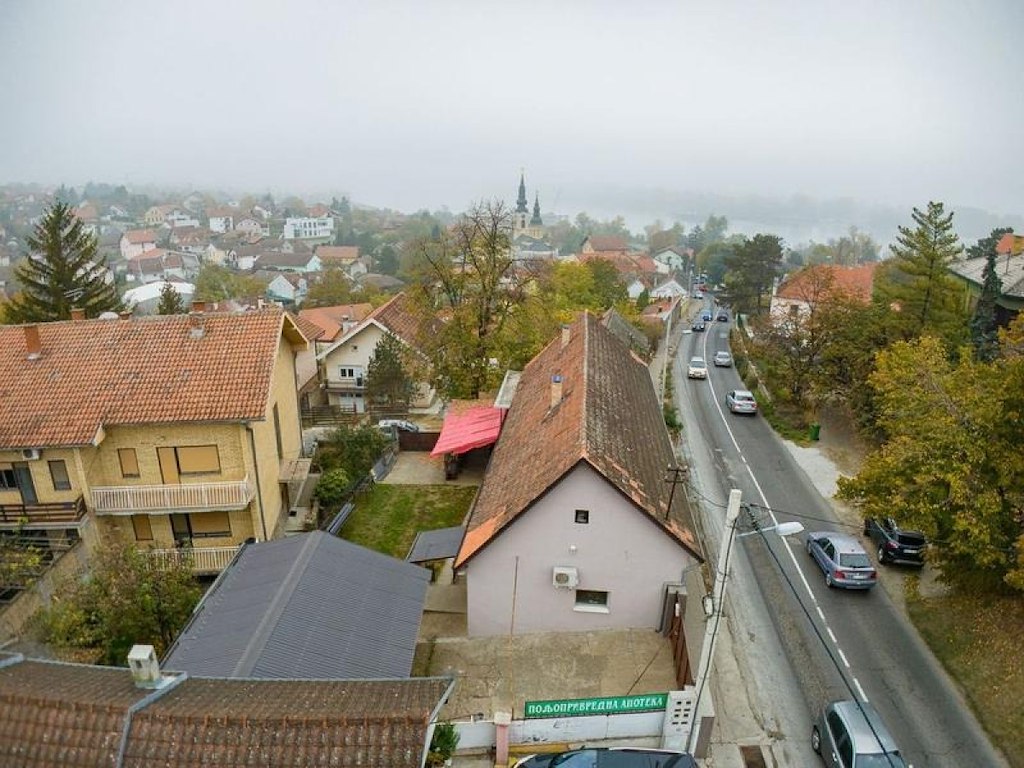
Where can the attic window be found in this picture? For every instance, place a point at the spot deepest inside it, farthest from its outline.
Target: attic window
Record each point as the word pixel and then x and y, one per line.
pixel 583 516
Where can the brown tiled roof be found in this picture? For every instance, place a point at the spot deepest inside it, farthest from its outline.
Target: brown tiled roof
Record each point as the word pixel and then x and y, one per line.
pixel 331 319
pixel 854 282
pixel 608 416
pixel 309 329
pixel 395 316
pixel 365 723
pixel 337 254
pixel 608 243
pixel 70 715
pixel 65 715
pixel 140 236
pixel 280 259
pixel 143 370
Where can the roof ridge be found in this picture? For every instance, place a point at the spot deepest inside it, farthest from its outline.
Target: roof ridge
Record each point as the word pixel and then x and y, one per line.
pixel 584 439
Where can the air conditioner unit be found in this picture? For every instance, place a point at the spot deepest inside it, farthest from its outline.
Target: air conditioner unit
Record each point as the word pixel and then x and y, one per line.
pixel 565 576
pixel 30 453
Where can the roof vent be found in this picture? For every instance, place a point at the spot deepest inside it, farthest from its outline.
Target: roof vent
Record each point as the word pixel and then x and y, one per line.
pixel 145 668
pixel 77 314
pixel 556 390
pixel 32 342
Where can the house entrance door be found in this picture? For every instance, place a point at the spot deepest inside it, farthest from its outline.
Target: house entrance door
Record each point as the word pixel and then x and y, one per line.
pixel 23 477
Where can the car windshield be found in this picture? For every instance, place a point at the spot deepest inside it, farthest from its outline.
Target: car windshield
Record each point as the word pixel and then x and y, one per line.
pixel 854 560
pixel 744 396
pixel 697 362
pixel 890 760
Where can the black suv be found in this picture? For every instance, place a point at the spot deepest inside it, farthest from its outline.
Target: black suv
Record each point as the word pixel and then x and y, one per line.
pixel 895 545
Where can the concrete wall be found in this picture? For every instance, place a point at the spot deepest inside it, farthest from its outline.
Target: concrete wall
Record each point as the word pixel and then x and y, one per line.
pixel 621 551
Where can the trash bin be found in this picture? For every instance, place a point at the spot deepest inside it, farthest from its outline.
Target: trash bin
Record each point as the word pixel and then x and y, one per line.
pixel 815 431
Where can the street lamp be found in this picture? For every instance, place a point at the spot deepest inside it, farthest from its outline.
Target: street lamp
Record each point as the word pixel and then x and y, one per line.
pixel 713 607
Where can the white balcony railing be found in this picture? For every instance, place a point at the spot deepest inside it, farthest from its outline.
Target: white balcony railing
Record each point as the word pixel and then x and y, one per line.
pixel 202 559
pixel 135 499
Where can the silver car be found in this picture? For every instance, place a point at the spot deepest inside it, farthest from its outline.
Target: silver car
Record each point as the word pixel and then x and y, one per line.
pixel 851 734
pixel 843 560
pixel 741 401
pixel 697 369
pixel 723 359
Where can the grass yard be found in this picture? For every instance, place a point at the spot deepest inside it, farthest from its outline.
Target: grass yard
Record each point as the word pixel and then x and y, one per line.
pixel 387 518
pixel 977 639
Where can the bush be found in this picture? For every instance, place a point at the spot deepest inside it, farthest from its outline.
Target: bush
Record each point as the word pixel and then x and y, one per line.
pixel 443 744
pixel 330 489
pixel 352 449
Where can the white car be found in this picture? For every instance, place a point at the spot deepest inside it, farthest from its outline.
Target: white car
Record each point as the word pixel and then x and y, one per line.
pixel 723 359
pixel 697 369
pixel 741 401
pixel 400 424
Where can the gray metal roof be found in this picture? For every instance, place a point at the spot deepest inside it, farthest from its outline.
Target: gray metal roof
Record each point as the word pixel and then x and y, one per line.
pixel 311 606
pixel 435 545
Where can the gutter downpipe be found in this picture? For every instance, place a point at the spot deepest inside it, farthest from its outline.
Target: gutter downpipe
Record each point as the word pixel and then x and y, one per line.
pixel 256 471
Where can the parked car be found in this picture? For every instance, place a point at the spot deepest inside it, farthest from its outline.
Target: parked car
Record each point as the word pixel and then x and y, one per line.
pixel 842 559
pixel 850 733
pixel 741 401
pixel 894 544
pixel 609 757
pixel 723 359
pixel 400 424
pixel 698 326
pixel 697 369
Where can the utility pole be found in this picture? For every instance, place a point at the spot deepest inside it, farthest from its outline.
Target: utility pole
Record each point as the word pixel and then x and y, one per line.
pixel 714 616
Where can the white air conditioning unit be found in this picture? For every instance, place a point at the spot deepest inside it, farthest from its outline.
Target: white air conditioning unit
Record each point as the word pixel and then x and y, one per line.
pixel 30 453
pixel 565 576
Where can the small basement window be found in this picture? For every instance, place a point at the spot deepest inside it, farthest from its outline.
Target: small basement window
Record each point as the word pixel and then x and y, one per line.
pixel 591 601
pixel 583 516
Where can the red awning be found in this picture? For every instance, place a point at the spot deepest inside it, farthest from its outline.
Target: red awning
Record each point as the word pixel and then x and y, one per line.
pixel 473 428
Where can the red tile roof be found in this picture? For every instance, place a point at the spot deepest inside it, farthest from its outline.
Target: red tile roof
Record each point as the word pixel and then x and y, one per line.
pixel 140 236
pixel 811 283
pixel 143 370
pixel 607 243
pixel 609 417
pixel 1010 244
pixel 335 255
pixel 396 316
pixel 331 319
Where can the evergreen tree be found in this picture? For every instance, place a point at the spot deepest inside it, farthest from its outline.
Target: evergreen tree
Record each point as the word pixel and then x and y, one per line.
pixel 170 301
pixel 752 267
pixel 61 271
pixel 387 381
pixel 984 329
pixel 987 245
pixel 917 282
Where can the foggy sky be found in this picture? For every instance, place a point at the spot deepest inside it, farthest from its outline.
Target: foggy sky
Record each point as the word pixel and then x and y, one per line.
pixel 429 103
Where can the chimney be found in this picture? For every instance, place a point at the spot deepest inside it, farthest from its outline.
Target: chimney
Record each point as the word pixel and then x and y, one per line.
pixel 198 306
pixel 125 315
pixel 77 315
pixel 32 342
pixel 565 335
pixel 196 325
pixel 556 391
pixel 145 668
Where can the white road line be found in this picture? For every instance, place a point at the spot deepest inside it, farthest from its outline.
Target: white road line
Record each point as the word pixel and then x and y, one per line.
pixel 771 515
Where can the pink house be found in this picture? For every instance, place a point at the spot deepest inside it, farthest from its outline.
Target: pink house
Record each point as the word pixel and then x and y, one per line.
pixel 135 242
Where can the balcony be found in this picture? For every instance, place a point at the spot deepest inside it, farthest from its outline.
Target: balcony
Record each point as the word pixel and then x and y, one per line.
pixel 63 514
pixel 355 384
pixel 204 560
pixel 148 499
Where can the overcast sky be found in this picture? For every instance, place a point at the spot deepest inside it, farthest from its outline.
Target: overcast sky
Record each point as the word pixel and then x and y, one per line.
pixel 430 103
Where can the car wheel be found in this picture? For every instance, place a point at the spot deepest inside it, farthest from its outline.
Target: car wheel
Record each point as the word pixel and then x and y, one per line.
pixel 828 580
pixel 816 740
pixel 882 557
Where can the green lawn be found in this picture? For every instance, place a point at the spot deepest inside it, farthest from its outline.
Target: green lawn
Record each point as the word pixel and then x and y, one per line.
pixel 977 639
pixel 387 518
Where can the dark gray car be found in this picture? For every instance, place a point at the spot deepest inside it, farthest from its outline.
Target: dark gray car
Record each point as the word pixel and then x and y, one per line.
pixel 851 734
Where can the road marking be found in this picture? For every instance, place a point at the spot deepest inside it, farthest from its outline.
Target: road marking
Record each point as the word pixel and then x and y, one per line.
pixel 775 521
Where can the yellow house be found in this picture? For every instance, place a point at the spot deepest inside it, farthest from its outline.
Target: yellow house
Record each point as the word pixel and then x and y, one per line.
pixel 180 433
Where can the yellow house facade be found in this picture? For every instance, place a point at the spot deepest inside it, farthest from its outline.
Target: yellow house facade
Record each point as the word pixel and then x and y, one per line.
pixel 178 433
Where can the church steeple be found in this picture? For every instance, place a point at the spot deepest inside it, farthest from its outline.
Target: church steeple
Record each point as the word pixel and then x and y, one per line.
pixel 536 221
pixel 522 206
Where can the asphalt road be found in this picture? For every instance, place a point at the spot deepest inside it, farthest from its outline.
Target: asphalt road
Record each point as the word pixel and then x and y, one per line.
pixel 828 643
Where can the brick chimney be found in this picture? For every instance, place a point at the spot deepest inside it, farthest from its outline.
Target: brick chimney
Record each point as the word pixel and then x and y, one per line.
pixel 32 342
pixel 198 306
pixel 196 325
pixel 77 315
pixel 556 391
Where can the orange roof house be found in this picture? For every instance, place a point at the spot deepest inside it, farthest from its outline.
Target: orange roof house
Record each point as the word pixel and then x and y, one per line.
pixel 801 291
pixel 577 481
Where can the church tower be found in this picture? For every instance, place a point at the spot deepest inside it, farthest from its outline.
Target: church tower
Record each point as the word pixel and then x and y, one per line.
pixel 536 228
pixel 519 221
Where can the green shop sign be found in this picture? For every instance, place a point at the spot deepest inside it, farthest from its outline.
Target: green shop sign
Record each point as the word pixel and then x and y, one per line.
pixel 608 705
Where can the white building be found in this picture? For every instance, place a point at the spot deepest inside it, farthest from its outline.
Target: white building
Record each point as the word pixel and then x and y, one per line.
pixel 307 228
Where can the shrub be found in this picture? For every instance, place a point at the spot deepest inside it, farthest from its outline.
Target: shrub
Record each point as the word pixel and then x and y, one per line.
pixel 330 489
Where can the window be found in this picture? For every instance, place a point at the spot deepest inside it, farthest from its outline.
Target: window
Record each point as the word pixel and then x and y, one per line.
pixel 59 475
pixel 277 431
pixel 591 601
pixel 143 528
pixel 208 525
pixel 198 460
pixel 129 462
pixel 582 516
pixel 7 480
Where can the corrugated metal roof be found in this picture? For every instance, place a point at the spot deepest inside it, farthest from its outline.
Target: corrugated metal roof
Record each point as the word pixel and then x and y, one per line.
pixel 435 545
pixel 310 606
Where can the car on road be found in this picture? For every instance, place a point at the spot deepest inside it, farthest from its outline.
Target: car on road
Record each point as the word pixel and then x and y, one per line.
pixel 698 326
pixel 400 424
pixel 698 295
pixel 609 757
pixel 894 544
pixel 851 734
pixel 842 559
pixel 706 317
pixel 723 359
pixel 723 317
pixel 697 368
pixel 741 401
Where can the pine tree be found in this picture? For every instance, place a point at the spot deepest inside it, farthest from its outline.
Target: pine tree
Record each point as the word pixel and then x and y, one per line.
pixel 917 281
pixel 170 301
pixel 387 381
pixel 984 329
pixel 61 271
